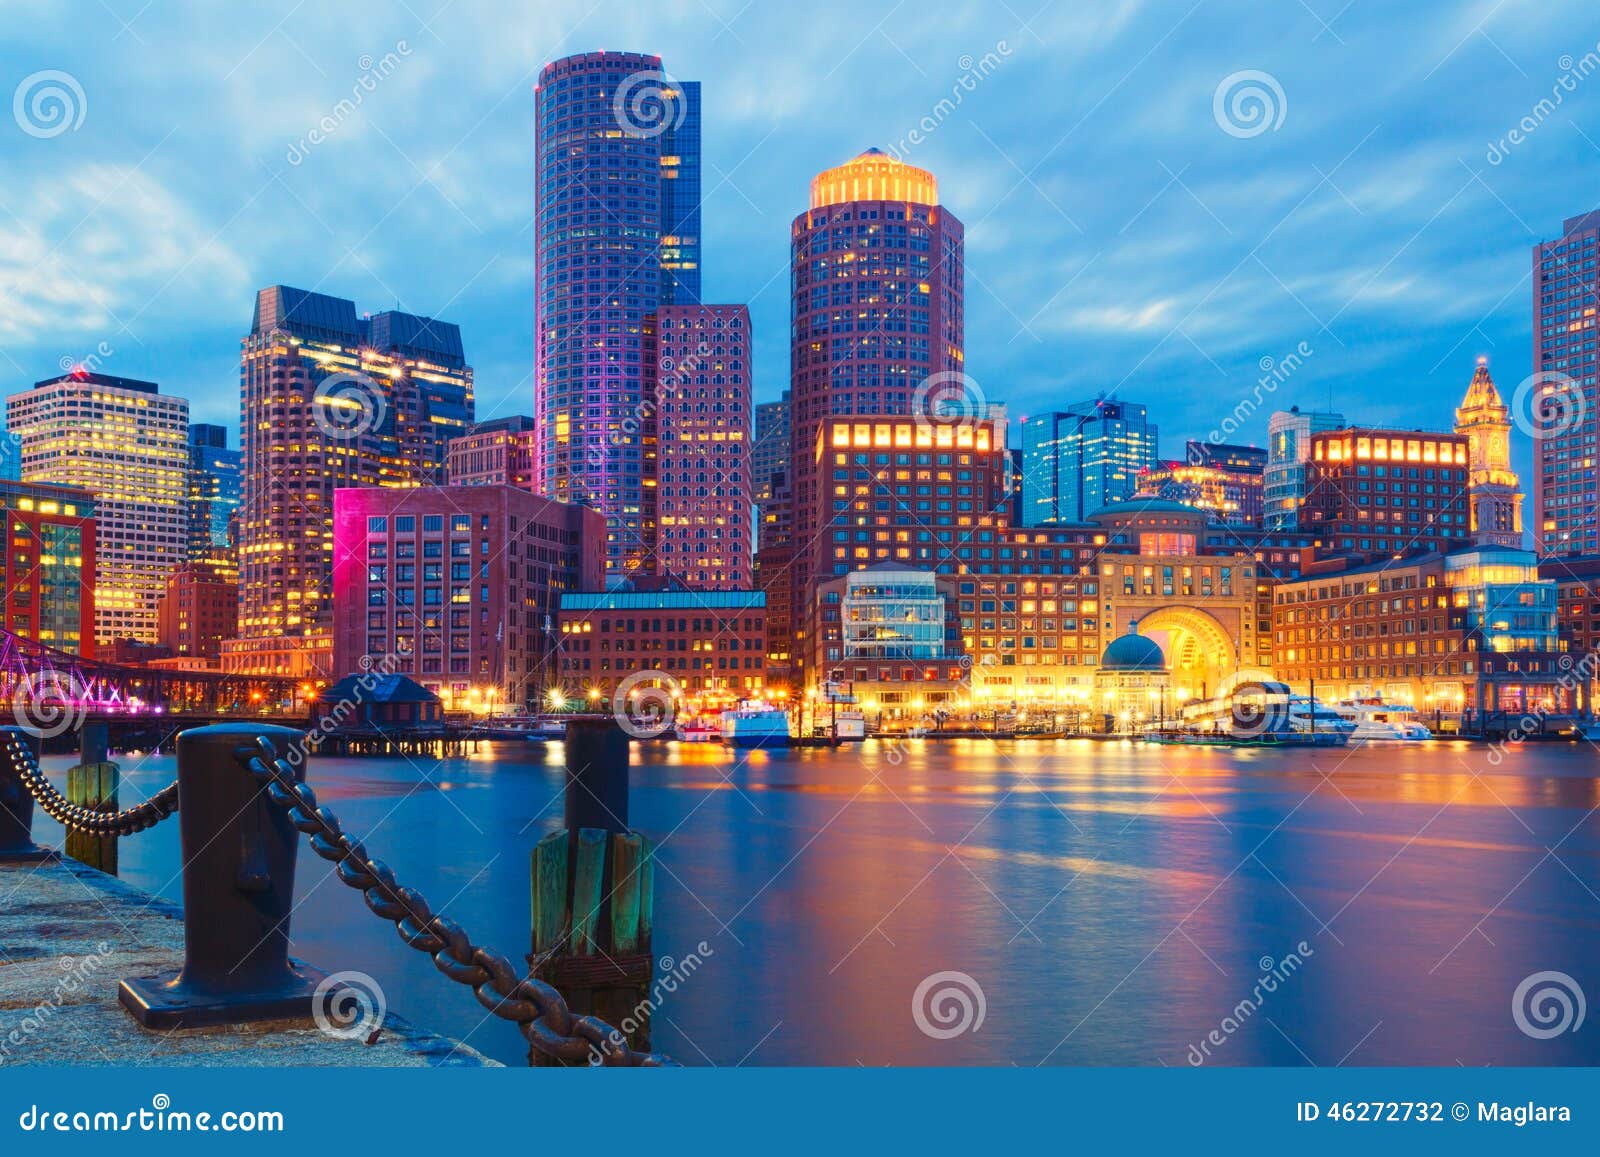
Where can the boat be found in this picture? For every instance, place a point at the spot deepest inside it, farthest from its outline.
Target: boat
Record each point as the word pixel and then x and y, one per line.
pixel 1375 720
pixel 754 723
pixel 1307 714
pixel 697 731
pixel 1256 714
pixel 845 725
pixel 547 729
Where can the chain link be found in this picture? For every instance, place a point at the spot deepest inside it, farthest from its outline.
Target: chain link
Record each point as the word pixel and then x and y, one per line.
pixel 537 1009
pixel 84 819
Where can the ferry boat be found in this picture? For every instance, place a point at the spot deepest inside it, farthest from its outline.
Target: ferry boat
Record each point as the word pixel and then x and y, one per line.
pixel 1373 719
pixel 697 731
pixel 756 724
pixel 847 725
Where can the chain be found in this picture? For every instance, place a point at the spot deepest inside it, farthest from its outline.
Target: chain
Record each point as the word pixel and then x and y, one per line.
pixel 538 1010
pixel 84 819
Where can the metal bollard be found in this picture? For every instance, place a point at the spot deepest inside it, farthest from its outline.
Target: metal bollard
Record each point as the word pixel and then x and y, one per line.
pixel 597 775
pixel 16 808
pixel 238 890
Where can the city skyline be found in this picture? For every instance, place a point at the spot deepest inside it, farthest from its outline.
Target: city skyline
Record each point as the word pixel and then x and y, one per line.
pixel 1099 259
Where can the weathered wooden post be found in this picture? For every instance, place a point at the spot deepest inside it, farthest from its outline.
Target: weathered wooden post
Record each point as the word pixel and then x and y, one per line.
pixel 16 806
pixel 593 891
pixel 93 783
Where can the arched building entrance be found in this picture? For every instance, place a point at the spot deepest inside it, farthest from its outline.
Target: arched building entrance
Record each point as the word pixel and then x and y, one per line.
pixel 1200 652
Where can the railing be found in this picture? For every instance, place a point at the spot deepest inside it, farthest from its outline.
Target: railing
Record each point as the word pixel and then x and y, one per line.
pixel 244 799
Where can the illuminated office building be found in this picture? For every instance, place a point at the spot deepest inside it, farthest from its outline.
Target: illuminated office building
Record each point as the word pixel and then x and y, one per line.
pixel 127 444
pixel 215 488
pixel 47 570
pixel 1082 459
pixel 499 452
pixel 1392 492
pixel 1288 447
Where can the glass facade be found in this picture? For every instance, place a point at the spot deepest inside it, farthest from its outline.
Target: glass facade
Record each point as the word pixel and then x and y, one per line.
pixel 1506 606
pixel 893 614
pixel 215 492
pixel 1082 459
pixel 1288 447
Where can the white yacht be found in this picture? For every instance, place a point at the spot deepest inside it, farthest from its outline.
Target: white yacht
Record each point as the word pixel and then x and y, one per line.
pixel 756 724
pixel 1311 716
pixel 1375 719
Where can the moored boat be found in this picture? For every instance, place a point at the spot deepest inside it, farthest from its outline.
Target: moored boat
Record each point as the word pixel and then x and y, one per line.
pixel 756 724
pixel 1373 719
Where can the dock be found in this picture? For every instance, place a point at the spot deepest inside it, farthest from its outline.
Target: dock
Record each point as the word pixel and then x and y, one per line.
pixel 69 933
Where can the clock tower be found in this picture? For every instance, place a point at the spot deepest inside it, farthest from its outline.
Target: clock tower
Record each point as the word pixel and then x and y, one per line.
pixel 1493 487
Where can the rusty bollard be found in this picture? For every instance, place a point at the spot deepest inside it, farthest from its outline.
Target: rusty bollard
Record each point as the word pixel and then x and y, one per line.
pixel 238 890
pixel 16 806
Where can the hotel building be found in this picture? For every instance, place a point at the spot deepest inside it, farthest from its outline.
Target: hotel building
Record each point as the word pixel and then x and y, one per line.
pixel 617 147
pixel 47 570
pixel 1564 409
pixel 458 588
pixel 127 444
pixel 1288 449
pixel 500 452
pixel 702 503
pixel 1387 492
pixel 1082 459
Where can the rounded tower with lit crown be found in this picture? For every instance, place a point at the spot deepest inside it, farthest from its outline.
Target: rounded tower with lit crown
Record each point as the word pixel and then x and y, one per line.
pixel 1493 487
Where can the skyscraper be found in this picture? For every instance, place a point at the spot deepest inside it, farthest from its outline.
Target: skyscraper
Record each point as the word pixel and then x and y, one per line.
pixel 127 444
pixel 328 399
pixel 1077 461
pixel 616 235
pixel 1288 447
pixel 770 455
pixel 1563 410
pixel 878 282
pixel 215 489
pixel 1493 488
pixel 701 477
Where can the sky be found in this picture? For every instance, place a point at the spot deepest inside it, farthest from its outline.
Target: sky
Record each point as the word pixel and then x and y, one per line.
pixel 1169 202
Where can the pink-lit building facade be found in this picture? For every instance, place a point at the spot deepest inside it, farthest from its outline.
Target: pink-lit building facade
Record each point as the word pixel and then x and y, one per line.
pixel 459 587
pixel 703 516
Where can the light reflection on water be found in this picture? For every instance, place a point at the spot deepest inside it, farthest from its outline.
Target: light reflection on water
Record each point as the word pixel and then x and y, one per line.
pixel 1113 900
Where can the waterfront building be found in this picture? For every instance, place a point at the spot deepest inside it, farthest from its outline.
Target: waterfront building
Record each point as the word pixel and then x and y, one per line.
pixel 125 442
pixel 47 570
pixel 1493 490
pixel 707 649
pixel 769 457
pixel 702 509
pixel 617 235
pixel 500 452
pixel 328 400
pixel 1387 492
pixel 1081 459
pixel 1231 498
pixel 1577 580
pixel 215 492
pixel 1288 449
pixel 199 609
pixel 1132 683
pixel 1563 406
pixel 878 282
pixel 458 587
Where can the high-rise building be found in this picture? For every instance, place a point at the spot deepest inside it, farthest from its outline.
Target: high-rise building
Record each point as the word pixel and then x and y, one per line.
pixel 499 452
pixel 1563 409
pixel 878 281
pixel 701 477
pixel 616 235
pixel 1084 458
pixel 1386 492
pixel 10 455
pixel 47 571
pixel 328 399
pixel 1288 446
pixel 459 588
pixel 127 444
pixel 215 490
pixel 770 455
pixel 1493 488
pixel 199 609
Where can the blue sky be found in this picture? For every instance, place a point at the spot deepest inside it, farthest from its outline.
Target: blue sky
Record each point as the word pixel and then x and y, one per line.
pixel 1118 236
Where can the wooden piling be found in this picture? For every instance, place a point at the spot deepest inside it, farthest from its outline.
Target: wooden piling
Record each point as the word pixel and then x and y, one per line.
pixel 94 785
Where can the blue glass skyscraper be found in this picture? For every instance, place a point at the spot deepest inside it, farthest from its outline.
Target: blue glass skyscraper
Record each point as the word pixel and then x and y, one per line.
pixel 680 202
pixel 214 496
pixel 1077 461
